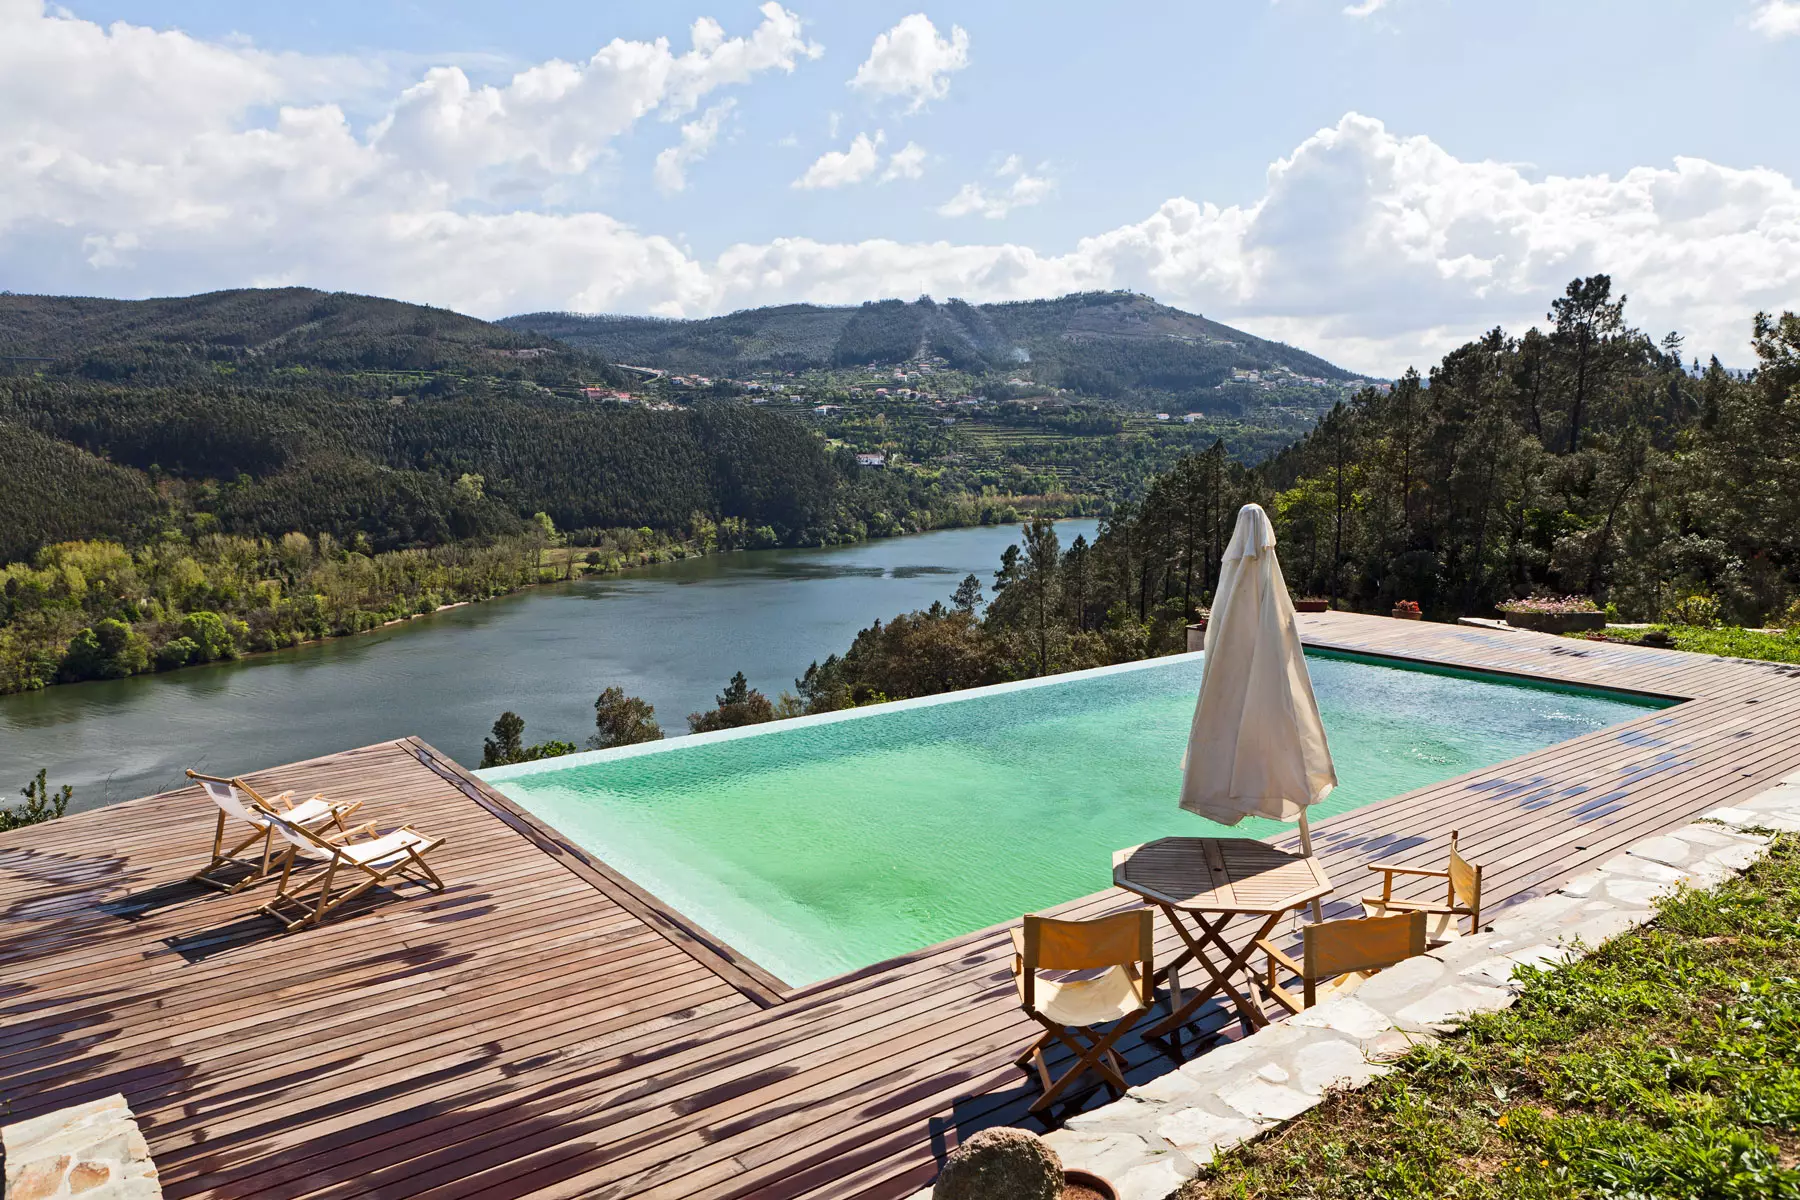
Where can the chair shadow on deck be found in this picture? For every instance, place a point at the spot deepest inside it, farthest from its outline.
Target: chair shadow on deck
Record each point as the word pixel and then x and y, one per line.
pixel 1146 1059
pixel 251 928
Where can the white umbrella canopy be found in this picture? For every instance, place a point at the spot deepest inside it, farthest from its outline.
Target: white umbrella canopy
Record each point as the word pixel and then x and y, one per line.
pixel 1257 746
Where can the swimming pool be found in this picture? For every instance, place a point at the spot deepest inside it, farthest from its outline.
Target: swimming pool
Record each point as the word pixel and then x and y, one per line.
pixel 821 845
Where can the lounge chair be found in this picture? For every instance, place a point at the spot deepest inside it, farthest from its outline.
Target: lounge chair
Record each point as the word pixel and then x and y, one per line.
pixel 1071 1010
pixel 236 801
pixel 365 863
pixel 1344 952
pixel 1462 896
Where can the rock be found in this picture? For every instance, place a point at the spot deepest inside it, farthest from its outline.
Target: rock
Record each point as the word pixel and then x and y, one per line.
pixel 1263 1101
pixel 1001 1164
pixel 1346 1015
pixel 1201 1135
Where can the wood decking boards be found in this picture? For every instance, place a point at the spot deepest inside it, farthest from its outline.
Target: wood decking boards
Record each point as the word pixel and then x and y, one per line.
pixel 546 1029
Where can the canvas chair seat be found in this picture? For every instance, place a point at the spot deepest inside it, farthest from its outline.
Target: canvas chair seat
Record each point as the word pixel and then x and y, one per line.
pixel 1080 1002
pixel 1337 957
pixel 384 850
pixel 307 812
pixel 1104 973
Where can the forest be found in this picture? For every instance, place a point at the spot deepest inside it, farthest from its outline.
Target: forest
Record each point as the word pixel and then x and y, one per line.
pixel 167 459
pixel 1584 458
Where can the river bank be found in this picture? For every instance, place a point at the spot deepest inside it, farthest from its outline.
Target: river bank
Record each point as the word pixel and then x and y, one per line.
pixel 672 632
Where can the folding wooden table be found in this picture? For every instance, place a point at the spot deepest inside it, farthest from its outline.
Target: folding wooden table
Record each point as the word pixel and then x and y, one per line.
pixel 1209 882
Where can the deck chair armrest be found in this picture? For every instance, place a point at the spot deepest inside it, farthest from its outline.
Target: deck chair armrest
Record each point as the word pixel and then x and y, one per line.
pixel 367 827
pixel 1268 947
pixel 1408 871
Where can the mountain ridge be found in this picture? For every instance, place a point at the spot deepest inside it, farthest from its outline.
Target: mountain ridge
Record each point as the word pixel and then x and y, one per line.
pixel 1116 345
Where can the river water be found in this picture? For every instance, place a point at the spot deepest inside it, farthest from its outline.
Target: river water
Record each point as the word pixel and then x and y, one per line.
pixel 672 634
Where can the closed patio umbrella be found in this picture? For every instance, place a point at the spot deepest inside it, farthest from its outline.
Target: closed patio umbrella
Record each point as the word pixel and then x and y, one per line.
pixel 1257 746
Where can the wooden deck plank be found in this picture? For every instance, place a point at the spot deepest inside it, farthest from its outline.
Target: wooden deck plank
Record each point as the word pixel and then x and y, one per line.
pixel 546 1028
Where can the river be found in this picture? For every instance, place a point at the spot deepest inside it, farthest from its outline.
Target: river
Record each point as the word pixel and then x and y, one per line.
pixel 672 634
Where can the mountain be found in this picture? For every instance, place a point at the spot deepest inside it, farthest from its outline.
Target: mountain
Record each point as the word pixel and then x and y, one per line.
pixel 1113 345
pixel 259 412
pixel 264 334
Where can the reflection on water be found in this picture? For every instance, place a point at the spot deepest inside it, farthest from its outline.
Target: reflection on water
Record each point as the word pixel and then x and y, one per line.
pixel 673 634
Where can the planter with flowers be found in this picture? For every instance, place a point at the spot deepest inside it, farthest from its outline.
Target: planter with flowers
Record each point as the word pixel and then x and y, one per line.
pixel 1553 614
pixel 1312 604
pixel 1407 610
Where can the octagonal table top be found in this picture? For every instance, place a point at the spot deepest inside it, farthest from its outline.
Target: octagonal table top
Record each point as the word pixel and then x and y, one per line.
pixel 1240 875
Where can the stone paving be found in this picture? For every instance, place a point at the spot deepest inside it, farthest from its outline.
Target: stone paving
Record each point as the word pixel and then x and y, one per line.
pixel 1160 1133
pixel 92 1150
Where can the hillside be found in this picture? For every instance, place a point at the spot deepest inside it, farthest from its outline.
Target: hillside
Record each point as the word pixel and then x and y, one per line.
pixel 386 425
pixel 262 335
pixel 1117 346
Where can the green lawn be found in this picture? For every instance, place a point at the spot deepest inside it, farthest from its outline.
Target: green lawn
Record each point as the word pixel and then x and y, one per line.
pixel 1729 641
pixel 1667 1064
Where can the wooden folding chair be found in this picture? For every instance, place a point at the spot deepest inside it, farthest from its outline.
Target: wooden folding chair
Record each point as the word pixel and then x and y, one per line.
pixel 1462 896
pixel 236 800
pixel 367 863
pixel 1071 1009
pixel 1346 952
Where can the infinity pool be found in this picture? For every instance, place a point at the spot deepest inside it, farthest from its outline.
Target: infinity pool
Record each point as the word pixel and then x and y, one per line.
pixel 821 845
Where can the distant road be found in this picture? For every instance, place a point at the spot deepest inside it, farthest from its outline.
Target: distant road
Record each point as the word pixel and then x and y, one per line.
pixel 653 372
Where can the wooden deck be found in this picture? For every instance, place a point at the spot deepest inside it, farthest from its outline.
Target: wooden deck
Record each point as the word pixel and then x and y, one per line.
pixel 544 1029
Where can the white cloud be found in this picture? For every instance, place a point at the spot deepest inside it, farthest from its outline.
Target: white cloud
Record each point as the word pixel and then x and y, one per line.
pixel 1019 190
pixel 840 168
pixel 697 140
pixel 912 62
pixel 136 162
pixel 1777 18
pixel 1365 9
pixel 908 162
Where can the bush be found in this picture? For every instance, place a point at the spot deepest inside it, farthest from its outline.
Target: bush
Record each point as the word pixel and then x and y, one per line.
pixel 178 653
pixel 1695 608
pixel 41 804
pixel 111 649
pixel 213 636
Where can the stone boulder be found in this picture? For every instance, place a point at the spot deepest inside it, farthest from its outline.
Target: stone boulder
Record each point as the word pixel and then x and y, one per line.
pixel 1001 1164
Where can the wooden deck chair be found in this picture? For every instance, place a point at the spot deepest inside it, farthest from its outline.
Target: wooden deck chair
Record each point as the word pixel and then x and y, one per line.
pixel 1462 896
pixel 1071 1009
pixel 1344 952
pixel 352 867
pixel 236 800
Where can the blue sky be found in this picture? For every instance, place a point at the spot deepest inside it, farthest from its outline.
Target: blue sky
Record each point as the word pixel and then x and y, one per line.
pixel 1375 187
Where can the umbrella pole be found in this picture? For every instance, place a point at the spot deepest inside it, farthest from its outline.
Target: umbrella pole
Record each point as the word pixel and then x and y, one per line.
pixel 1318 910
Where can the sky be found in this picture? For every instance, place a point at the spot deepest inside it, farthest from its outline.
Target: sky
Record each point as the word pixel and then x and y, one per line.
pixel 1376 181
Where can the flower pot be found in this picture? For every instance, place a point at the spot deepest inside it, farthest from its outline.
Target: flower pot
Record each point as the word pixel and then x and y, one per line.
pixel 1563 622
pixel 1404 614
pixel 1085 1185
pixel 1312 606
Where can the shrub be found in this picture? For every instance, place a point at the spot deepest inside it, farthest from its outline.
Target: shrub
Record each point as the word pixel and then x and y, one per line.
pixel 213 636
pixel 111 649
pixel 178 653
pixel 41 804
pixel 1695 608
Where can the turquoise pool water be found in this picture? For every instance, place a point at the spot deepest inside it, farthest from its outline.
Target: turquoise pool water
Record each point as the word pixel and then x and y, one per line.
pixel 824 847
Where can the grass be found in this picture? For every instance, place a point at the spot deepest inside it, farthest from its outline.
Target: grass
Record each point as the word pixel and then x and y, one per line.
pixel 1666 1064
pixel 1727 641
